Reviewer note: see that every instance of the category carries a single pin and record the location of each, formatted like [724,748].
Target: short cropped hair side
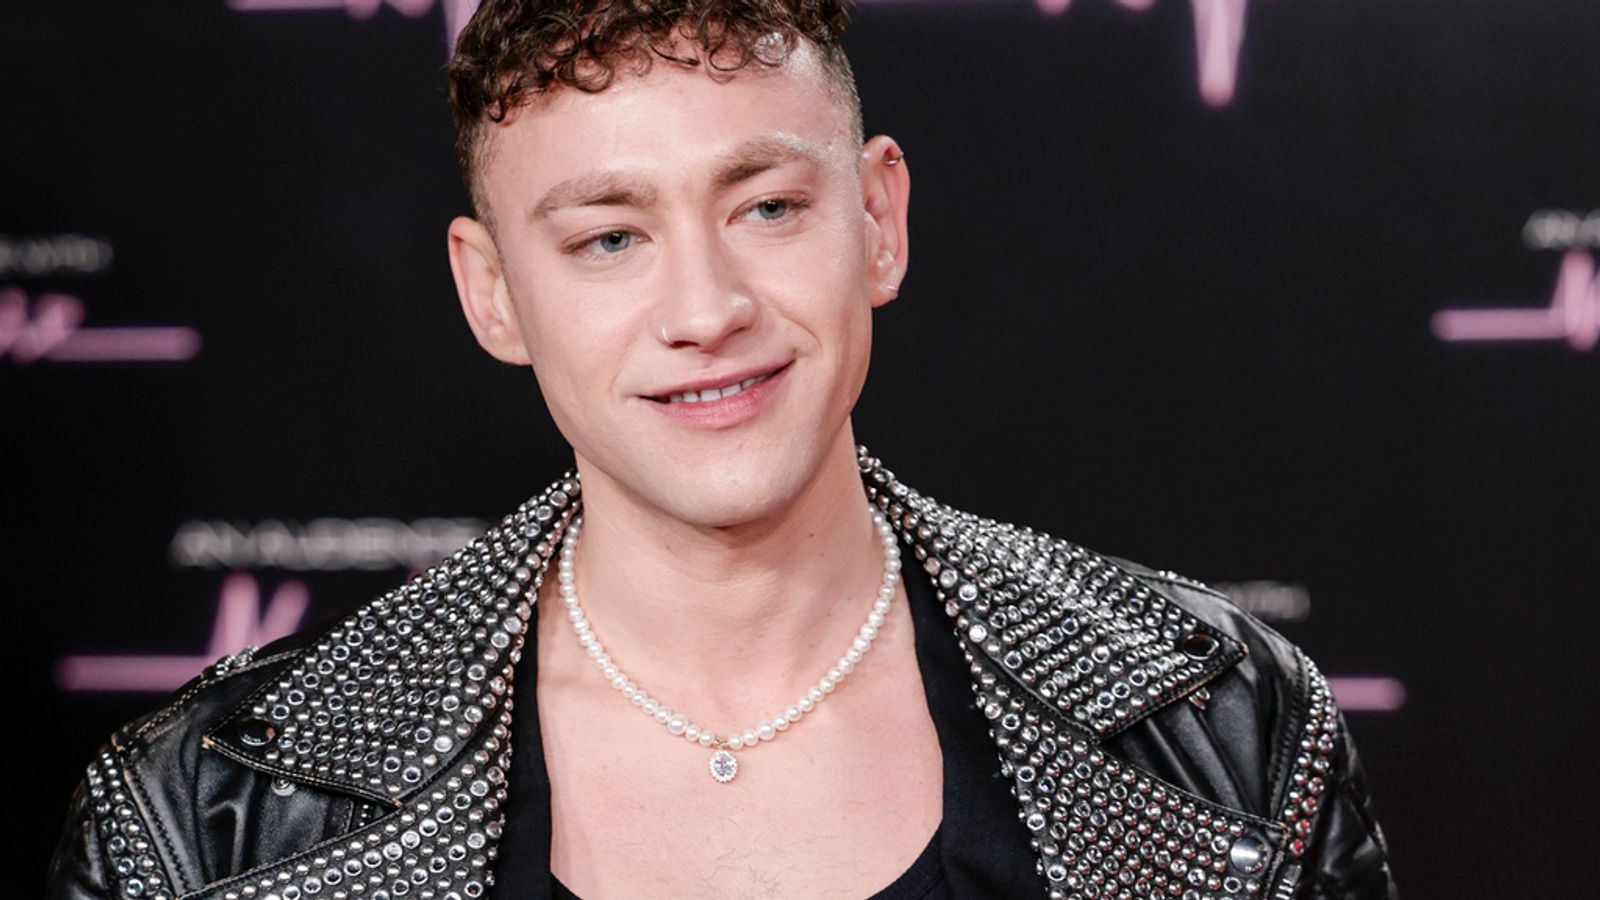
[513,49]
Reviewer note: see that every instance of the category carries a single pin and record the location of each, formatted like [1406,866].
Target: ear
[481,285]
[885,195]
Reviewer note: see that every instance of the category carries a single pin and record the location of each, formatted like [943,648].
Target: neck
[727,623]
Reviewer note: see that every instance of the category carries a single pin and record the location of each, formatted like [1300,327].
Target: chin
[709,498]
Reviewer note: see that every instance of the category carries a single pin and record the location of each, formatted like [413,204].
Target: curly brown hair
[512,49]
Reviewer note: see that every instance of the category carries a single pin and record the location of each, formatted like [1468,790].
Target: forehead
[669,119]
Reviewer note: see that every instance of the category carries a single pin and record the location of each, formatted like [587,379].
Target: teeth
[715,393]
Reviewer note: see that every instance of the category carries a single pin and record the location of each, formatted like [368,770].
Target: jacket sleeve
[1346,857]
[108,847]
[78,866]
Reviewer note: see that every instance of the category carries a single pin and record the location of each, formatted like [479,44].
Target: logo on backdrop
[242,619]
[456,12]
[1572,313]
[49,327]
[324,545]
[1290,603]
[53,256]
[1218,27]
[240,622]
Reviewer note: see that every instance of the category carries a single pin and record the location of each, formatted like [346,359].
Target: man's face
[676,231]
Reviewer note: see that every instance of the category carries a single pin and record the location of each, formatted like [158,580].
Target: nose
[705,300]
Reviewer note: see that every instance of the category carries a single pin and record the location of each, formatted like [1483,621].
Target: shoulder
[212,693]
[1172,702]
[1266,735]
[133,824]
[1270,659]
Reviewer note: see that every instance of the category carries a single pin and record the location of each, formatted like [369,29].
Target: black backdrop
[1193,328]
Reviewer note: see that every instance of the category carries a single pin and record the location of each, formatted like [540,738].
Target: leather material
[1234,722]
[1238,749]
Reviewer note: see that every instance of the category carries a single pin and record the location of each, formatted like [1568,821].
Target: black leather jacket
[1161,742]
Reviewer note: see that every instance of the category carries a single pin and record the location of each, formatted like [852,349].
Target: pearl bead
[677,723]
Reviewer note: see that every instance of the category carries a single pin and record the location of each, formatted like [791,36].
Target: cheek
[579,341]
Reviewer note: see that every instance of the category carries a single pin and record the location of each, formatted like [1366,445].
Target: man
[698,664]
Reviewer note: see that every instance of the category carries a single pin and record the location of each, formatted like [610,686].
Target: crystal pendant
[724,766]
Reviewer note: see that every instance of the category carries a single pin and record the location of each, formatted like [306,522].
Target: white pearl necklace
[723,763]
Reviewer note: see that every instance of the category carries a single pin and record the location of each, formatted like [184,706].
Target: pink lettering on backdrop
[1218,27]
[1218,35]
[1573,313]
[360,9]
[456,12]
[240,623]
[51,331]
[1368,694]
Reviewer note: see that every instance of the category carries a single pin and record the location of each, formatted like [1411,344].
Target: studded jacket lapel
[1076,632]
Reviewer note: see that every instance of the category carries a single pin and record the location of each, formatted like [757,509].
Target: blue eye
[776,205]
[613,242]
[777,209]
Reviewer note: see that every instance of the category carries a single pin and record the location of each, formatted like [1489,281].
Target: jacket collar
[405,686]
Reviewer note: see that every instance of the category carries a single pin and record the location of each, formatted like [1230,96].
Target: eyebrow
[746,161]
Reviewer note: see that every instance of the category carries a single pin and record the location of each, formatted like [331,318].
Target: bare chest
[634,846]
[836,807]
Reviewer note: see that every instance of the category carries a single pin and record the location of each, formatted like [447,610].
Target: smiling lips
[723,405]
[712,393]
